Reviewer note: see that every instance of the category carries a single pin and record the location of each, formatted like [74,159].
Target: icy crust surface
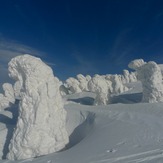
[151,78]
[40,128]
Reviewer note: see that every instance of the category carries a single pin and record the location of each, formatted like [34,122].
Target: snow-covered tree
[88,78]
[99,86]
[151,78]
[83,83]
[73,85]
[8,96]
[117,85]
[41,123]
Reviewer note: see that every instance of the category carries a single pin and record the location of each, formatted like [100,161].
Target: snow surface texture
[41,123]
[151,78]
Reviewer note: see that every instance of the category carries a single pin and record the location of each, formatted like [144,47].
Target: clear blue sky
[84,36]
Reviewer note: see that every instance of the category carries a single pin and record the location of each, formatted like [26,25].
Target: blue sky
[82,36]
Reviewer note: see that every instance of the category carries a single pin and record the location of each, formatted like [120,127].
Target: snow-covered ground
[126,131]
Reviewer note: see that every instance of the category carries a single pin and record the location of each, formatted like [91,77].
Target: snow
[117,133]
[99,86]
[125,131]
[151,78]
[73,85]
[40,128]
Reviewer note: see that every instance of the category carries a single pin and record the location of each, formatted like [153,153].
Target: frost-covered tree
[99,86]
[128,77]
[88,78]
[41,123]
[109,83]
[83,83]
[8,96]
[151,78]
[136,64]
[117,85]
[73,85]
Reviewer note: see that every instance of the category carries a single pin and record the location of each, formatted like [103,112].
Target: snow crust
[41,123]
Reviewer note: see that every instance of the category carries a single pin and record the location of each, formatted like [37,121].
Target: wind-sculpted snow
[151,78]
[41,123]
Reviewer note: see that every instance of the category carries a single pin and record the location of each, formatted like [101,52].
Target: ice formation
[151,78]
[41,123]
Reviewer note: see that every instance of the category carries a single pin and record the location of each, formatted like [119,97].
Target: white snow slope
[126,131]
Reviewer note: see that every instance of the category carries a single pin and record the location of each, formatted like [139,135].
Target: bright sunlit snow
[107,120]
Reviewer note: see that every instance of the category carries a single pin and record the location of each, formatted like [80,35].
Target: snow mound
[41,123]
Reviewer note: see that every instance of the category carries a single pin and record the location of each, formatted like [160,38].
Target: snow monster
[40,128]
